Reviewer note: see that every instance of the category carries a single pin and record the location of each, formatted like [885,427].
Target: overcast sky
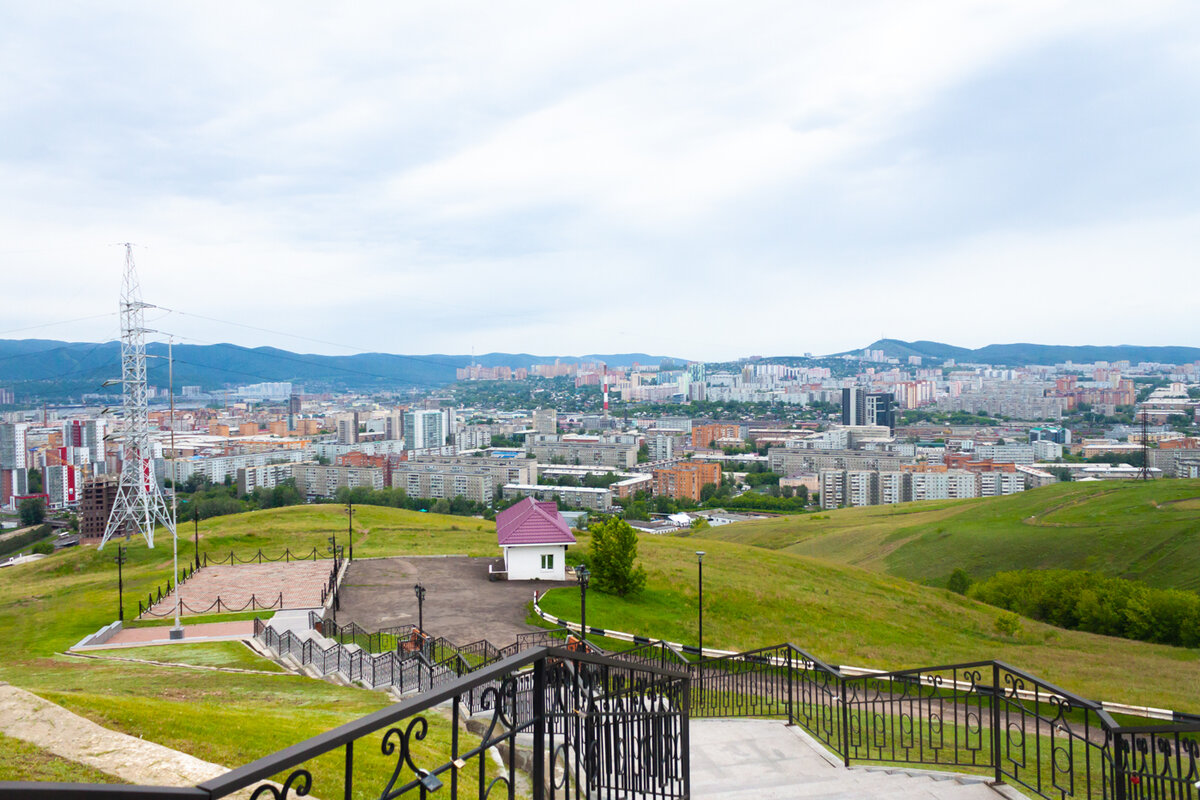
[692,179]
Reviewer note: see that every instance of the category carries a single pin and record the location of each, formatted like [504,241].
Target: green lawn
[1142,531]
[846,615]
[228,718]
[209,654]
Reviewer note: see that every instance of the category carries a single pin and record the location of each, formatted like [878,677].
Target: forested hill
[49,367]
[1022,354]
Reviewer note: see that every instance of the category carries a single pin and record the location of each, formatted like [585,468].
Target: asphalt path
[461,604]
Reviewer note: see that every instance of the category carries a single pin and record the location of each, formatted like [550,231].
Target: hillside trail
[24,715]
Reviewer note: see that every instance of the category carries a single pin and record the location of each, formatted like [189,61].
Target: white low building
[534,538]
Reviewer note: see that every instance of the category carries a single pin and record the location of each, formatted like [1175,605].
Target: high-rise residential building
[853,406]
[545,420]
[840,487]
[661,447]
[95,504]
[347,428]
[62,482]
[6,397]
[12,445]
[13,483]
[425,429]
[880,409]
[393,425]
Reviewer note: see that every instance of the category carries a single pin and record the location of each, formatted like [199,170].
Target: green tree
[959,581]
[611,557]
[32,511]
[34,480]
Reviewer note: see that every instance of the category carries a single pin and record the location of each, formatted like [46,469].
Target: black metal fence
[982,716]
[261,558]
[597,727]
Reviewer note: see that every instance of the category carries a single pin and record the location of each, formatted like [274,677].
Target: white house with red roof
[534,538]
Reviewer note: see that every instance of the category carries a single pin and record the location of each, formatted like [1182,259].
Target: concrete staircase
[767,760]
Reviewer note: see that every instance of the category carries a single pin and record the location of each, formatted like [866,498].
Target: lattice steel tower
[139,504]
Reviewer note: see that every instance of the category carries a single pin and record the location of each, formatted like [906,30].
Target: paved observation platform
[750,759]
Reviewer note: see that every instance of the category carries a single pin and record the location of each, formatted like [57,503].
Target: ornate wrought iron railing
[595,727]
[984,716]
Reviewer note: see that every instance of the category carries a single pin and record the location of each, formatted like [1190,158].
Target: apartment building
[703,436]
[952,484]
[791,460]
[95,504]
[553,450]
[686,479]
[323,480]
[500,471]
[578,496]
[545,420]
[266,476]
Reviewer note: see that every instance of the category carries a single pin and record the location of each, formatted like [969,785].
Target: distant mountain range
[1022,354]
[83,366]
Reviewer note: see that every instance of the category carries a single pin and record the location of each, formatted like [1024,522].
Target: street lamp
[120,559]
[196,531]
[700,567]
[419,591]
[583,575]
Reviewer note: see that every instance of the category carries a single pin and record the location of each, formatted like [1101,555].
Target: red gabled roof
[531,522]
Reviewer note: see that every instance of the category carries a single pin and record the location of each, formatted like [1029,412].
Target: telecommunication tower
[139,504]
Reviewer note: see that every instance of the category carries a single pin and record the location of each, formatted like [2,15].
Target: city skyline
[516,180]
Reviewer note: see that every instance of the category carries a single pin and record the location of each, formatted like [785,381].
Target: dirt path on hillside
[24,715]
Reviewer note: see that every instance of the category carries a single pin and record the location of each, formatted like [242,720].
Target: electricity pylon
[139,504]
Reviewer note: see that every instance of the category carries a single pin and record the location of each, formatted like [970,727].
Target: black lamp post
[196,531]
[120,559]
[419,591]
[583,575]
[700,566]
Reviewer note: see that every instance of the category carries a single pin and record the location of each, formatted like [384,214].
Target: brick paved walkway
[299,581]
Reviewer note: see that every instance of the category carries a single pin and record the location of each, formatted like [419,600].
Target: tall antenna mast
[139,505]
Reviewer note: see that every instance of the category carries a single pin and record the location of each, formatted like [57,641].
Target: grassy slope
[845,615]
[753,597]
[227,718]
[1144,531]
[22,761]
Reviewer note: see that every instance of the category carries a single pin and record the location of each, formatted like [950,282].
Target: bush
[1008,624]
[44,548]
[959,581]
[1086,601]
[611,555]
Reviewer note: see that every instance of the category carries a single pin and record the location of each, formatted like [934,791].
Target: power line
[355,350]
[60,322]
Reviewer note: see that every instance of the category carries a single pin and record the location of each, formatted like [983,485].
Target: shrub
[959,581]
[1008,624]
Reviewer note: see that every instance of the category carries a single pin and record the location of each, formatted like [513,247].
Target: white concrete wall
[525,563]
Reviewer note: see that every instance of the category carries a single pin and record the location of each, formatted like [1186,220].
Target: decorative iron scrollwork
[283,792]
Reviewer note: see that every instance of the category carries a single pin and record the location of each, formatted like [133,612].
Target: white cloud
[567,178]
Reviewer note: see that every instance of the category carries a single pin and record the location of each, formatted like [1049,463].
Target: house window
[548,561]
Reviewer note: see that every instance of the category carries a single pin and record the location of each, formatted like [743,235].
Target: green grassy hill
[225,717]
[753,597]
[1142,531]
